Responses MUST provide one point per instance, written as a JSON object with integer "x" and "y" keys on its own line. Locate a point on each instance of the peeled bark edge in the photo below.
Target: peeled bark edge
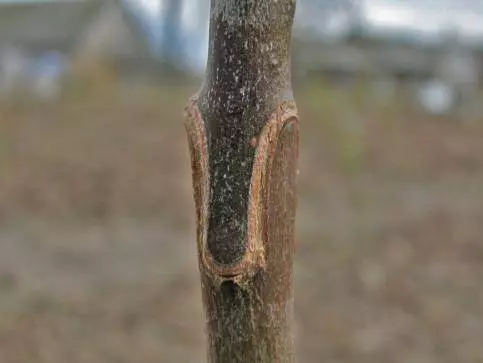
{"x": 249, "y": 305}
{"x": 243, "y": 134}
{"x": 254, "y": 258}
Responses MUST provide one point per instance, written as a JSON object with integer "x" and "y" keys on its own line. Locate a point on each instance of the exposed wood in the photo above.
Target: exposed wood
{"x": 243, "y": 135}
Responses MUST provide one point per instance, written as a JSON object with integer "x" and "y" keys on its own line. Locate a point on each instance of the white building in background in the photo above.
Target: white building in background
{"x": 39, "y": 41}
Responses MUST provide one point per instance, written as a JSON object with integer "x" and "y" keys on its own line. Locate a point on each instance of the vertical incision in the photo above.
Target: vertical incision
{"x": 247, "y": 77}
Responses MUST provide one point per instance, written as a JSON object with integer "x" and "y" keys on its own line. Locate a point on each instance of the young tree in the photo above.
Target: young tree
{"x": 243, "y": 134}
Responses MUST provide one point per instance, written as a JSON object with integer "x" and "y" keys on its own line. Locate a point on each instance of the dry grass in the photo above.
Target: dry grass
{"x": 97, "y": 254}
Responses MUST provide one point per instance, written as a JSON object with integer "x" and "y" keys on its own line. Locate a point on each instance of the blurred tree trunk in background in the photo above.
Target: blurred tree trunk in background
{"x": 171, "y": 12}
{"x": 243, "y": 135}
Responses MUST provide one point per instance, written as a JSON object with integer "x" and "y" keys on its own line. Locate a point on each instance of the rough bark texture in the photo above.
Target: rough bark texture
{"x": 243, "y": 135}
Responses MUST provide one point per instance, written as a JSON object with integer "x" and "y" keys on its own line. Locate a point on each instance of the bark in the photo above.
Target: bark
{"x": 243, "y": 134}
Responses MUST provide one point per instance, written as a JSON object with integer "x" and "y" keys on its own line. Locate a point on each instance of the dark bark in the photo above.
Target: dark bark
{"x": 243, "y": 134}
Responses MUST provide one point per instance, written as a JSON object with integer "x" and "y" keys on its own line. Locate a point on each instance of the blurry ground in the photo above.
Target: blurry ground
{"x": 97, "y": 252}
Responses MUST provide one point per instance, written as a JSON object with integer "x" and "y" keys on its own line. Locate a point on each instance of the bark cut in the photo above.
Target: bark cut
{"x": 243, "y": 135}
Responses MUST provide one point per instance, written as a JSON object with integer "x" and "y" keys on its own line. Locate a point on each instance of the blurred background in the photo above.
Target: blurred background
{"x": 97, "y": 244}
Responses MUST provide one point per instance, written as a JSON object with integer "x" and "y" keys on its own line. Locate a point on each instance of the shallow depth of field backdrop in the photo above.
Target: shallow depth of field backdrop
{"x": 97, "y": 251}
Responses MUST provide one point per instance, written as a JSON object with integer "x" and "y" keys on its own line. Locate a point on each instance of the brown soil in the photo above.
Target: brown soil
{"x": 97, "y": 252}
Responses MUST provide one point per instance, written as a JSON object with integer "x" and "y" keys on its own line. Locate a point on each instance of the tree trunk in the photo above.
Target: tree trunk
{"x": 243, "y": 133}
